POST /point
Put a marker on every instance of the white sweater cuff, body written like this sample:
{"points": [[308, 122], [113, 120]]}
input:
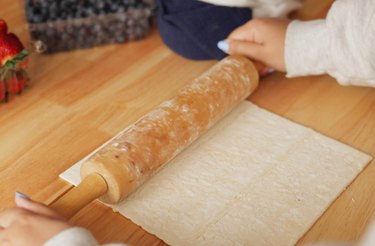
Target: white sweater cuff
{"points": [[74, 236], [306, 47]]}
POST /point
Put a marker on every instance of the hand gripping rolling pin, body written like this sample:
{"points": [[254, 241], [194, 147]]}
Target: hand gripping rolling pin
{"points": [[144, 147]]}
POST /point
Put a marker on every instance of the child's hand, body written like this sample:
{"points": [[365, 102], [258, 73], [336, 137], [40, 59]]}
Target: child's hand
{"points": [[262, 40], [30, 223]]}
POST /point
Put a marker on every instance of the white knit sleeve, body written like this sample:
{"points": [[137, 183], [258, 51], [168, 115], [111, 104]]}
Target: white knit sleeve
{"points": [[369, 238], [75, 236], [231, 3], [262, 8], [342, 45]]}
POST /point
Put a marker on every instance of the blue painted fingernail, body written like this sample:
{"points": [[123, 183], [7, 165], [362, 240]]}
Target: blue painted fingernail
{"points": [[19, 194], [271, 70], [223, 45]]}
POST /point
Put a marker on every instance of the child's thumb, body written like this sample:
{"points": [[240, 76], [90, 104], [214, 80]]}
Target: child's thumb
{"points": [[24, 202]]}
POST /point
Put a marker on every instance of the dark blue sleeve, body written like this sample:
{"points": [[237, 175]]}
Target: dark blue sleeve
{"points": [[192, 28]]}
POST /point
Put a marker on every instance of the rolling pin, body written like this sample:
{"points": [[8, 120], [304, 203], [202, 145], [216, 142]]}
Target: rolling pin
{"points": [[130, 159]]}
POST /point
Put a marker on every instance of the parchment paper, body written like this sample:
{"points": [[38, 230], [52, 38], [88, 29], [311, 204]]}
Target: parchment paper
{"points": [[254, 179]]}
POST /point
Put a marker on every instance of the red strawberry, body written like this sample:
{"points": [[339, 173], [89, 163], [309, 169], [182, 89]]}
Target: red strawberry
{"points": [[24, 64], [22, 81], [16, 83], [12, 84], [3, 91], [3, 27], [13, 61], [10, 45]]}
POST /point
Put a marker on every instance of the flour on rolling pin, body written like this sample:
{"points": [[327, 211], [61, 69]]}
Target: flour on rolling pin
{"points": [[136, 154], [255, 178]]}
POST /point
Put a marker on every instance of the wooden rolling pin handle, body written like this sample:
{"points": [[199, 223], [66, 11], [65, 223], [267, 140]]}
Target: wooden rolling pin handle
{"points": [[91, 187]]}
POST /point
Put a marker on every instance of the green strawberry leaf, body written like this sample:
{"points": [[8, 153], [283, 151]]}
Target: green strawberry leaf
{"points": [[24, 52], [10, 64], [21, 56]]}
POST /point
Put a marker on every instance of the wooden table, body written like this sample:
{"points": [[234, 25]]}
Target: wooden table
{"points": [[80, 99]]}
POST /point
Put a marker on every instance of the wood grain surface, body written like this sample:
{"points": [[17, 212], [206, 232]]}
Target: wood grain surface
{"points": [[80, 99]]}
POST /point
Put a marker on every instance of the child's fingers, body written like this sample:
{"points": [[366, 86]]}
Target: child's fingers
{"points": [[267, 71], [259, 66], [252, 31], [262, 69], [35, 207], [8, 216], [246, 48], [244, 32]]}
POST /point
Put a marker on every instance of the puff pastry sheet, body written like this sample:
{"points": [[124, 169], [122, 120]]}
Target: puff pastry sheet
{"points": [[254, 179]]}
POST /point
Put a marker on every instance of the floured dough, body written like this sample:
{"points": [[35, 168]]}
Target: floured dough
{"points": [[254, 179]]}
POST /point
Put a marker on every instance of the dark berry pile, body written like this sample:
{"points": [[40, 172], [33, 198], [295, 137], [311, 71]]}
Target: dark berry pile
{"points": [[72, 24], [39, 11]]}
